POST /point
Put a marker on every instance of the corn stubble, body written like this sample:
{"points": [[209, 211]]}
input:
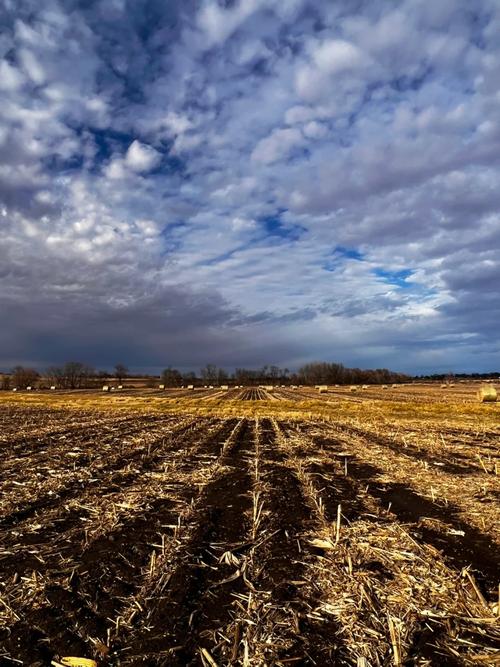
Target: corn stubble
{"points": [[250, 527]]}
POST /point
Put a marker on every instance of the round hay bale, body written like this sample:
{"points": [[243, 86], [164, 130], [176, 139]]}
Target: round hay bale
{"points": [[353, 388], [487, 394]]}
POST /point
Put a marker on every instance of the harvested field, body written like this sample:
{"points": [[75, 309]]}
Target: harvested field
{"points": [[245, 527]]}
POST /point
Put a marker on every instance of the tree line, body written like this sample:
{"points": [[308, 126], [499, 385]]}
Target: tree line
{"points": [[71, 375], [310, 374], [77, 375]]}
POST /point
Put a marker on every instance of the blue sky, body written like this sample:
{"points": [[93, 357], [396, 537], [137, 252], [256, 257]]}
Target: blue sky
{"points": [[250, 182]]}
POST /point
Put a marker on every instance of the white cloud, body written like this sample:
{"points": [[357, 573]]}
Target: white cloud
{"points": [[219, 23], [337, 56], [299, 114], [315, 130], [10, 77], [277, 145], [177, 123], [141, 157], [32, 66]]}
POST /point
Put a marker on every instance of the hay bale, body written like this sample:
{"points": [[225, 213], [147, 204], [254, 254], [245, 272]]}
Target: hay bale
{"points": [[365, 386], [322, 388], [52, 387], [224, 386], [353, 388], [384, 386], [444, 386], [105, 387], [15, 389], [394, 386], [269, 387], [120, 386], [161, 386], [29, 388], [190, 386], [487, 394]]}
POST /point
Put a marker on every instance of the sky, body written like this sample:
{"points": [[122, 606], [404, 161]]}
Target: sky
{"points": [[249, 182]]}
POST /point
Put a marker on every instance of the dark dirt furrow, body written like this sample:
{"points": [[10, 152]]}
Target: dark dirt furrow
{"points": [[473, 549], [29, 638], [26, 446], [100, 436], [66, 520], [111, 470], [252, 394], [281, 562], [198, 600], [445, 463], [95, 578]]}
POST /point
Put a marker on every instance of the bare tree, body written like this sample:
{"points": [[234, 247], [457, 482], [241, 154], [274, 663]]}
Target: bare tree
{"points": [[73, 375], [209, 374], [171, 377], [121, 372], [24, 377]]}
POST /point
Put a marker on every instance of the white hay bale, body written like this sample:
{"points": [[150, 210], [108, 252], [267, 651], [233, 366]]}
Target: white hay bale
{"points": [[120, 386], [161, 386], [190, 386], [487, 394], [269, 387], [323, 388], [384, 386], [28, 388], [224, 386], [365, 386], [444, 386], [394, 386], [52, 387], [353, 388], [15, 389], [105, 387]]}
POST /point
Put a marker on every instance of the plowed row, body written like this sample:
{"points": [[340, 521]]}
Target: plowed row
{"points": [[166, 540]]}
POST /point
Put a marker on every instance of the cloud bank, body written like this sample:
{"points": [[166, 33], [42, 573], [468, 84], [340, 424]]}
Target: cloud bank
{"points": [[268, 181]]}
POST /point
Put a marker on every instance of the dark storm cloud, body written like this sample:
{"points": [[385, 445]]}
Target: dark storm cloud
{"points": [[249, 182]]}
